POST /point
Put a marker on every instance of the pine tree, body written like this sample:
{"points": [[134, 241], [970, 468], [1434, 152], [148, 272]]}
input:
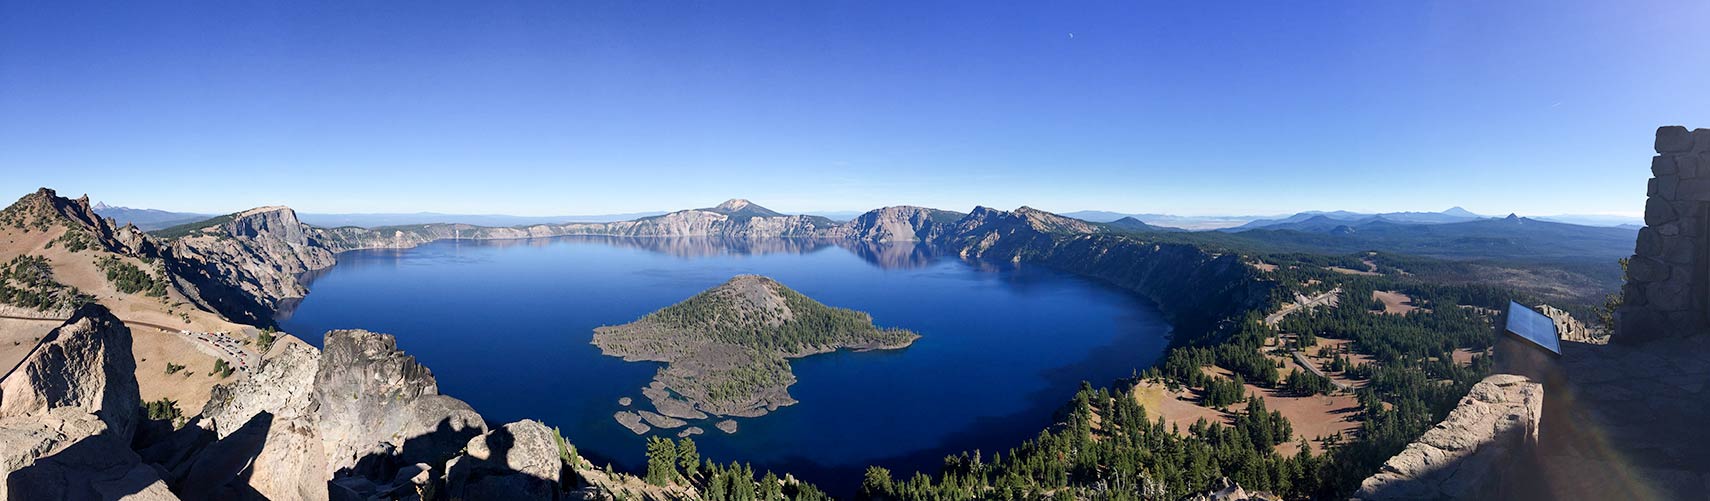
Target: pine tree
{"points": [[688, 457], [661, 461]]}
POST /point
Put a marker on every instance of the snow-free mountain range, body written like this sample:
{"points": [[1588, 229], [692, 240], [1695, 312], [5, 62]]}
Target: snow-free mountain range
{"points": [[154, 219]]}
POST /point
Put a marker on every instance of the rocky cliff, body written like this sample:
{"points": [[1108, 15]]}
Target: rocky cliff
{"points": [[1467, 455], [897, 224], [1197, 289], [393, 397], [258, 252], [732, 219], [68, 413]]}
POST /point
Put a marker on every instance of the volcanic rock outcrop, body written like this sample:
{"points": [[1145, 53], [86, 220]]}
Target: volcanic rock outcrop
{"points": [[260, 252], [371, 395], [1466, 455], [67, 415], [517, 461], [898, 224]]}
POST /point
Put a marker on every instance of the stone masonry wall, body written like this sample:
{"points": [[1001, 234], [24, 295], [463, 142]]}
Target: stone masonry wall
{"points": [[1668, 286]]}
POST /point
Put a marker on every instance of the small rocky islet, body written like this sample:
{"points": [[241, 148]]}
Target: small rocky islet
{"points": [[727, 350]]}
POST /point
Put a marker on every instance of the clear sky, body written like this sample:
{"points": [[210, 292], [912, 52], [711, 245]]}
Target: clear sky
{"points": [[572, 107]]}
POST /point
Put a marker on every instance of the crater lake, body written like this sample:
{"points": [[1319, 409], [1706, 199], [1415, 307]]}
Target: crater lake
{"points": [[506, 326]]}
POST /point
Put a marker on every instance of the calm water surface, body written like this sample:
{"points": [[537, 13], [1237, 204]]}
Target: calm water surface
{"points": [[506, 325]]}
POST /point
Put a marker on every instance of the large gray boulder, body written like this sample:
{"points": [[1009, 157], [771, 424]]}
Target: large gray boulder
{"points": [[1466, 455], [267, 422], [517, 461], [91, 468], [379, 409], [84, 364], [67, 415]]}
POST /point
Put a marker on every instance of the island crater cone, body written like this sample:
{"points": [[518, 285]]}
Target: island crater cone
{"points": [[726, 349]]}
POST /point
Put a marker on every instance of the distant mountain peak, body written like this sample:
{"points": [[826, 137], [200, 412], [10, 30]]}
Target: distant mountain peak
{"points": [[742, 208], [734, 204], [1458, 211], [1512, 217], [102, 205]]}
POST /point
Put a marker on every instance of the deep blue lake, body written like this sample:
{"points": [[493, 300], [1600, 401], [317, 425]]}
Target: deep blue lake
{"points": [[506, 325]]}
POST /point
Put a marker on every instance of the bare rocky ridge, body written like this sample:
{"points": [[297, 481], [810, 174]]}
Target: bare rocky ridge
{"points": [[898, 224], [259, 252], [1466, 455], [45, 208]]}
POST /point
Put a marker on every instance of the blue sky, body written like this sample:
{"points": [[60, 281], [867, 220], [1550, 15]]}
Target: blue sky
{"points": [[541, 108]]}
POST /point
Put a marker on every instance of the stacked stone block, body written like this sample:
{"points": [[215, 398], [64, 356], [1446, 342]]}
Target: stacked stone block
{"points": [[1668, 277]]}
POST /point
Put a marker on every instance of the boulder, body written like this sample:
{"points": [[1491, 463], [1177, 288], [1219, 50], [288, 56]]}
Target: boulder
{"points": [[517, 461], [276, 402], [84, 364], [1466, 455], [67, 415], [1228, 490], [94, 467], [379, 408]]}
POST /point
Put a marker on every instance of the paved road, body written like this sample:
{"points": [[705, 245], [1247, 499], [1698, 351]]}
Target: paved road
{"points": [[1301, 302], [1301, 360]]}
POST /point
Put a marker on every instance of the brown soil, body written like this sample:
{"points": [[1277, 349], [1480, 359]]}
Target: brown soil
{"points": [[1328, 346], [152, 347], [1178, 408], [17, 338], [1313, 417], [1394, 303]]}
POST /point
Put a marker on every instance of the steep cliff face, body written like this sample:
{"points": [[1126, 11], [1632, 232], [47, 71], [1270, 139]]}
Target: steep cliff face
{"points": [[734, 219], [897, 224], [279, 398], [256, 254], [393, 397], [1196, 289]]}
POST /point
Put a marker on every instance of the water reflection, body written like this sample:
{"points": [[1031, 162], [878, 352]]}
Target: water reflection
{"points": [[884, 255]]}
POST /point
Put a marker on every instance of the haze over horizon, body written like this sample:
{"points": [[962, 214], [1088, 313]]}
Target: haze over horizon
{"points": [[602, 108]]}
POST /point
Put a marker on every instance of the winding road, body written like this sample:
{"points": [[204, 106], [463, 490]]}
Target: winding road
{"points": [[1301, 360], [1302, 302]]}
